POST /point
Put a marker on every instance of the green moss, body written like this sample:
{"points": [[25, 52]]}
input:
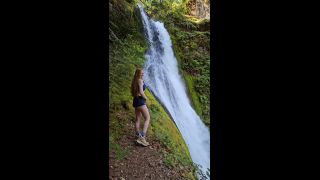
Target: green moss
{"points": [[165, 130], [193, 94]]}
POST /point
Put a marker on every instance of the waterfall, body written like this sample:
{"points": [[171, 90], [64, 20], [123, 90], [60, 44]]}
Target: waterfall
{"points": [[163, 80]]}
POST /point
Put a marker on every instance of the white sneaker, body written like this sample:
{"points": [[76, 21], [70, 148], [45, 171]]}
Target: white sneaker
{"points": [[142, 141]]}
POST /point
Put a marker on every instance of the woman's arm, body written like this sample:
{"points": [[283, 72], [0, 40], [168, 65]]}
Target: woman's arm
{"points": [[141, 89]]}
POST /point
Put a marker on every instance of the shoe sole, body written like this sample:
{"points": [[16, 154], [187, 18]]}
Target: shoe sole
{"points": [[140, 142]]}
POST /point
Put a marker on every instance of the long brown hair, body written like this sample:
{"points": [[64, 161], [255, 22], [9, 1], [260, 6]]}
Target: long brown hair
{"points": [[135, 84]]}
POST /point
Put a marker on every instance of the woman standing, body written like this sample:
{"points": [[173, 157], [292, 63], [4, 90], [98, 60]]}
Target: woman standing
{"points": [[139, 102]]}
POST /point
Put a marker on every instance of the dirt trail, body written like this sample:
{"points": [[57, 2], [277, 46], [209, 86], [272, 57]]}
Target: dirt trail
{"points": [[141, 162]]}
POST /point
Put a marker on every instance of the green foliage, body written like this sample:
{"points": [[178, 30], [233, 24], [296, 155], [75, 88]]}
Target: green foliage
{"points": [[190, 176], [126, 52], [121, 153], [123, 20]]}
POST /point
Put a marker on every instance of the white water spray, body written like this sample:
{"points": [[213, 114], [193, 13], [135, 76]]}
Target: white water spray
{"points": [[163, 79]]}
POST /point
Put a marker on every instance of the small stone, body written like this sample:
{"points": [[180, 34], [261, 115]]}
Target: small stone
{"points": [[151, 164], [111, 167], [121, 178]]}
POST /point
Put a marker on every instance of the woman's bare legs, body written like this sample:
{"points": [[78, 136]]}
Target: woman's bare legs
{"points": [[138, 117], [145, 112]]}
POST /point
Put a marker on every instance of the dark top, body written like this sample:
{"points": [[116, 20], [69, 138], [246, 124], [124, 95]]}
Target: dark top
{"points": [[144, 86], [139, 100]]}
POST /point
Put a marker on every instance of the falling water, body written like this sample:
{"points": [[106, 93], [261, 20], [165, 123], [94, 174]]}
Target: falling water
{"points": [[163, 79]]}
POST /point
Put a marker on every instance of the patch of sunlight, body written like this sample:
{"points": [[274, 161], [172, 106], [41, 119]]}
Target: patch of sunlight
{"points": [[194, 19]]}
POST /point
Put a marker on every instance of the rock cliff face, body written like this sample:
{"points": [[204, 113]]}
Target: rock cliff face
{"points": [[200, 8]]}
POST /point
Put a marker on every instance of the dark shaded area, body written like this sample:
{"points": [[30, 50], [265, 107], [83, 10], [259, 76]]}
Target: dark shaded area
{"points": [[261, 100], [58, 91]]}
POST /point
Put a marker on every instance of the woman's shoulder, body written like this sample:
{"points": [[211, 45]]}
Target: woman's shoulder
{"points": [[140, 81]]}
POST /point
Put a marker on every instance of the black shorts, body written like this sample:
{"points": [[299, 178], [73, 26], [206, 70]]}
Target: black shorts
{"points": [[138, 101]]}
